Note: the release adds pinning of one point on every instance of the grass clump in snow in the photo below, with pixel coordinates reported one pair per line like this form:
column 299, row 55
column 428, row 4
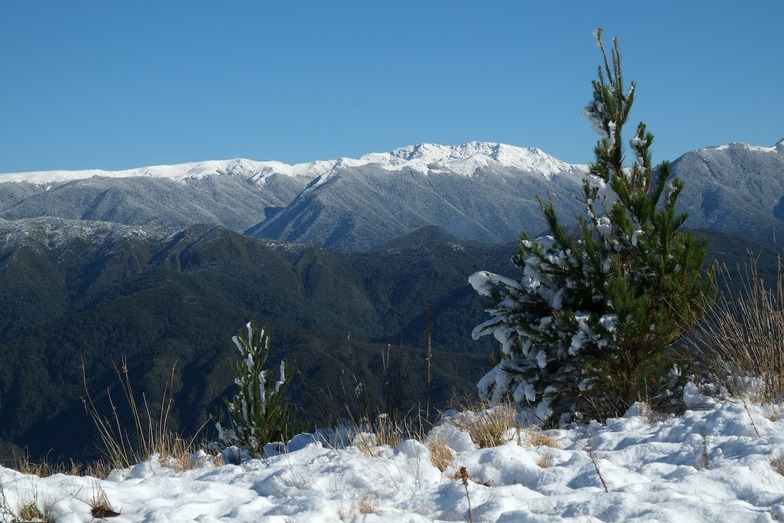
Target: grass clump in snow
column 44, row 467
column 490, row 426
column 778, row 465
column 27, row 510
column 367, row 505
column 31, row 512
column 440, row 454
column 150, row 434
column 741, row 344
column 100, row 506
column 388, row 431
column 537, row 438
column 545, row 461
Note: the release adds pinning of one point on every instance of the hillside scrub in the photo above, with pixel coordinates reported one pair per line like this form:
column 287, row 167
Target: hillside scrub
column 588, row 328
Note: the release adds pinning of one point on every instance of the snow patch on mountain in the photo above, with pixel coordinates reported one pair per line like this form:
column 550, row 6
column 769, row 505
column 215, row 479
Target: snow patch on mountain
column 251, row 170
column 746, row 146
column 463, row 159
column 53, row 234
column 467, row 158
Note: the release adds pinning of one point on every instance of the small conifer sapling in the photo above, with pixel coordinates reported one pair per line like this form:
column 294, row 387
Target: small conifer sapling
column 259, row 412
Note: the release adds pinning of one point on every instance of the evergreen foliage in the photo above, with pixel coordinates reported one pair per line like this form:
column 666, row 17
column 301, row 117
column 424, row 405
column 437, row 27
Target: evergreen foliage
column 589, row 328
column 259, row 411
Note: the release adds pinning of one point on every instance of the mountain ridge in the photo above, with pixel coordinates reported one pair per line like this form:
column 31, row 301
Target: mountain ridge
column 418, row 156
column 477, row 191
column 736, row 187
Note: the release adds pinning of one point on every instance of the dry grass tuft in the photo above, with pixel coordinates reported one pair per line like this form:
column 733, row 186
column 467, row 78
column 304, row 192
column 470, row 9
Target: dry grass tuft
column 44, row 468
column 27, row 511
column 545, row 461
column 489, row 427
column 387, row 431
column 440, row 454
column 778, row 465
column 100, row 506
column 741, row 344
column 31, row 512
column 149, row 435
column 98, row 469
column 367, row 505
column 538, row 439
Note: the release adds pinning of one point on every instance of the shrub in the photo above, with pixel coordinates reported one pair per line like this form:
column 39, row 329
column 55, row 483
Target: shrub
column 259, row 412
column 588, row 328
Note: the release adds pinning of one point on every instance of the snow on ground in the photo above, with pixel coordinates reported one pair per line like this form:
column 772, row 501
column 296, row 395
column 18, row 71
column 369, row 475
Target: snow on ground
column 716, row 464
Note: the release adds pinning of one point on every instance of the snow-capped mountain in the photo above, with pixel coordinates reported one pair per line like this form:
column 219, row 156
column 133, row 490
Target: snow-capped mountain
column 232, row 193
column 463, row 159
column 734, row 188
column 240, row 167
column 475, row 191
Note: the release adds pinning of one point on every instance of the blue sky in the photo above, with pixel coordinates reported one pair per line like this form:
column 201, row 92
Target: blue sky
column 115, row 85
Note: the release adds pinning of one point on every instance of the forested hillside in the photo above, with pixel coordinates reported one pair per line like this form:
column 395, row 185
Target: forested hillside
column 174, row 299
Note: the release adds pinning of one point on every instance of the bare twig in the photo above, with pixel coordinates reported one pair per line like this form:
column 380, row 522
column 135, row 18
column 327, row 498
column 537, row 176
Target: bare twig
column 589, row 448
column 464, row 477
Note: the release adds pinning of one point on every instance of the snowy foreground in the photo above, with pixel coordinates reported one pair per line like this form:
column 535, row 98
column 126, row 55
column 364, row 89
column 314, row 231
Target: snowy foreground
column 715, row 464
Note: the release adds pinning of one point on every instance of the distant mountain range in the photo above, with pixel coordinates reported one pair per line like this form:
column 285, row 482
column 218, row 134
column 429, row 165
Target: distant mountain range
column 478, row 191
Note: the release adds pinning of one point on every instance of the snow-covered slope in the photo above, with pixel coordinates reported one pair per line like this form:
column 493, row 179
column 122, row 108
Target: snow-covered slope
column 235, row 194
column 477, row 191
column 719, row 464
column 56, row 234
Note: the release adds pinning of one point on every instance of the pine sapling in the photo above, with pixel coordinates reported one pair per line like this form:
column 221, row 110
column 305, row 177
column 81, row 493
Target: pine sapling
column 588, row 328
column 259, row 412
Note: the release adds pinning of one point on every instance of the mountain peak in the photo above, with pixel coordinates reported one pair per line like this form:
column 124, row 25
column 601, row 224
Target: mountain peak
column 466, row 158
